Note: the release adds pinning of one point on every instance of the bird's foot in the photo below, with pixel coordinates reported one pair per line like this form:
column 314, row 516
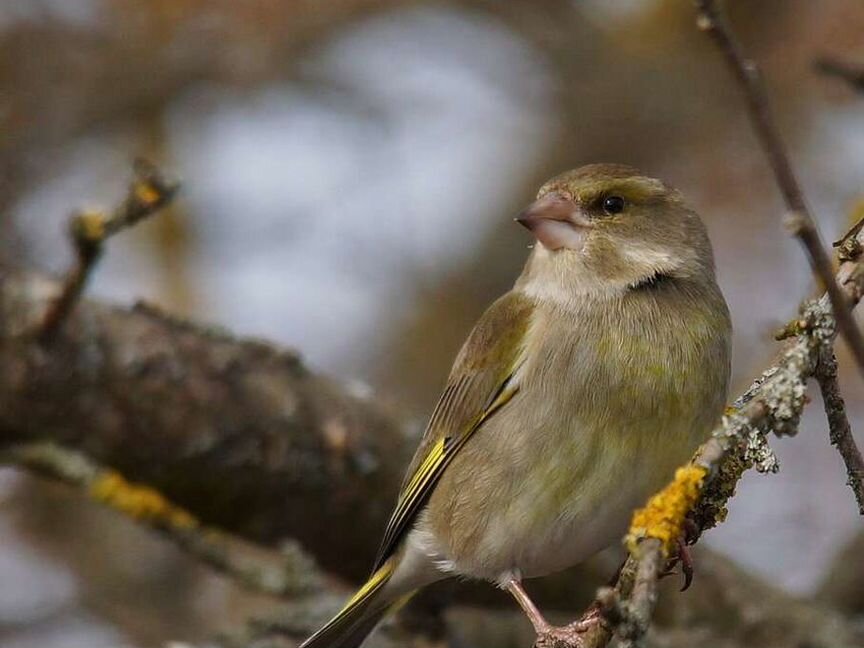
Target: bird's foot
column 692, row 530
column 690, row 534
column 570, row 635
column 549, row 636
column 682, row 556
column 559, row 637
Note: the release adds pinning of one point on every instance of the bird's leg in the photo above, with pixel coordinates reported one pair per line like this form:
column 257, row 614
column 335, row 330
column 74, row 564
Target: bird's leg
column 547, row 634
column 534, row 615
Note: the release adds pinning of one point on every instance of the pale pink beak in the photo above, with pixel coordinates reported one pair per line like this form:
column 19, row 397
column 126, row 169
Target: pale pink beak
column 556, row 221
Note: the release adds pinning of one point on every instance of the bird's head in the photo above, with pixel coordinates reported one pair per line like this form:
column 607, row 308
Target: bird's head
column 607, row 228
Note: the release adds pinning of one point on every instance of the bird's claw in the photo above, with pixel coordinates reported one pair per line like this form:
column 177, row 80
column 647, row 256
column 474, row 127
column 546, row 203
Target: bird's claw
column 682, row 556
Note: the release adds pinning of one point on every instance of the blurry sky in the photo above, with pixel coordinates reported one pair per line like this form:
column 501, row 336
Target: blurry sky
column 356, row 201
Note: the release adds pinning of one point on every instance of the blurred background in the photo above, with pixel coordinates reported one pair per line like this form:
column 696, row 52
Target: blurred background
column 351, row 169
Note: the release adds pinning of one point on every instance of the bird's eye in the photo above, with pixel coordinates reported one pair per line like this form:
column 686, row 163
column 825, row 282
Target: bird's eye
column 613, row 204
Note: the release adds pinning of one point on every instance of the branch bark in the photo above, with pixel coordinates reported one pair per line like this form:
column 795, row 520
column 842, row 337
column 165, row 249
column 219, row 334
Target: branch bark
column 842, row 587
column 288, row 572
column 839, row 429
column 236, row 431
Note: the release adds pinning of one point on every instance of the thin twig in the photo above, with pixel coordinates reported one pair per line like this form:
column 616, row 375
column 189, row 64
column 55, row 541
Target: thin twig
column 798, row 219
column 840, row 431
column 848, row 246
column 851, row 73
column 148, row 192
column 286, row 573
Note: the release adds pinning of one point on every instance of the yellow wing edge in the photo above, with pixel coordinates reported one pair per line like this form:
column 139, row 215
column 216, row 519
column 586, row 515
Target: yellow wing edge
column 429, row 471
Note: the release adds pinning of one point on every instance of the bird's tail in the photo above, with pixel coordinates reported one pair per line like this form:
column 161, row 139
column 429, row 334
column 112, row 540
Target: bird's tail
column 360, row 614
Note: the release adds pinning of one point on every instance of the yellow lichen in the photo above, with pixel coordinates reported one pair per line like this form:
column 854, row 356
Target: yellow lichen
column 663, row 516
column 138, row 501
column 147, row 193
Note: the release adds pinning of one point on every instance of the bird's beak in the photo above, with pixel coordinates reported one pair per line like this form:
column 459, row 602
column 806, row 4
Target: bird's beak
column 556, row 221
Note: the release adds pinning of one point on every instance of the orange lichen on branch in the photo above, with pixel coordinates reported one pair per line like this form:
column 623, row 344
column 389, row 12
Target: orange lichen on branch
column 663, row 516
column 139, row 502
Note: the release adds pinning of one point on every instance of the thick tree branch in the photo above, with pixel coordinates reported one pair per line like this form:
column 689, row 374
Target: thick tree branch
column 842, row 587
column 798, row 219
column 288, row 572
column 236, row 431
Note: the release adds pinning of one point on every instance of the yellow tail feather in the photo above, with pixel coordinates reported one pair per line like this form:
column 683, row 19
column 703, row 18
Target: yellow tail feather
column 359, row 616
column 376, row 581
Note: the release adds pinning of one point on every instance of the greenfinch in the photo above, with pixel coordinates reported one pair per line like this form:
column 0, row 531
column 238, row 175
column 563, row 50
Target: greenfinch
column 574, row 398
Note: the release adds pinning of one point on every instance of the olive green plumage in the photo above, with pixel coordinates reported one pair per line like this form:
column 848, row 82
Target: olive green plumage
column 572, row 400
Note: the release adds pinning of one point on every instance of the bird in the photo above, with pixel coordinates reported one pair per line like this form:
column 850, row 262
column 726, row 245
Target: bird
column 572, row 400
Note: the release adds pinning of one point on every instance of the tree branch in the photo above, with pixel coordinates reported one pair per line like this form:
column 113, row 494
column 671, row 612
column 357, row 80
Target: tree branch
column 840, row 431
column 287, row 573
column 236, row 431
column 148, row 192
column 852, row 74
column 798, row 219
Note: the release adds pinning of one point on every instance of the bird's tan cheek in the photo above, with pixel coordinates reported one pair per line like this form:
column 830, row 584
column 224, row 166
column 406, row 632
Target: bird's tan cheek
column 603, row 259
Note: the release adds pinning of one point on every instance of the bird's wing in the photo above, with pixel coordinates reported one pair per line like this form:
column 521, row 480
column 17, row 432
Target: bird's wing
column 479, row 385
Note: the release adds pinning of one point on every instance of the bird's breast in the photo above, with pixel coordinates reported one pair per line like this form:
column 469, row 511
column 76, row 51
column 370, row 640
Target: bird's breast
column 608, row 404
